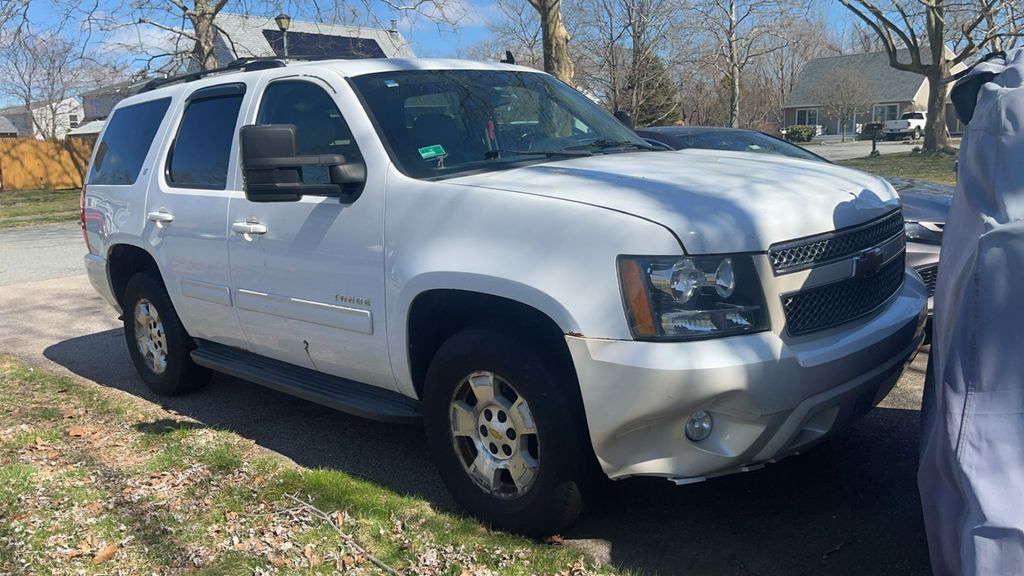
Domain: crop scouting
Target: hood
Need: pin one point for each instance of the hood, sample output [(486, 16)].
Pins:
[(714, 201), (923, 201)]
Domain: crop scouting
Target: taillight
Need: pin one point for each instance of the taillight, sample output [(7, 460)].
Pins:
[(81, 219)]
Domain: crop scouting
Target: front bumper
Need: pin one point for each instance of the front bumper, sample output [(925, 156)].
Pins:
[(96, 268), (769, 396)]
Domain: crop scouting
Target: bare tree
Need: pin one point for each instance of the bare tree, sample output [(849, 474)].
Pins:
[(195, 21), (555, 39), (915, 36), (741, 32), (844, 93), (517, 29), (42, 72)]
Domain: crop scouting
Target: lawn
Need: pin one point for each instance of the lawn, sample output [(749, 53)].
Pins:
[(93, 481), (936, 168), (29, 207)]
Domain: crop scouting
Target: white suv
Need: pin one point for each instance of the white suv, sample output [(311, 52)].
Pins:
[(482, 249)]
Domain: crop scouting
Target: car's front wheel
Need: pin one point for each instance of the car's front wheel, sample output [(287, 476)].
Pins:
[(506, 432)]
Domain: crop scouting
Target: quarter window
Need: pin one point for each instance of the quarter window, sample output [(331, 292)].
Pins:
[(126, 142), (201, 151), (319, 125)]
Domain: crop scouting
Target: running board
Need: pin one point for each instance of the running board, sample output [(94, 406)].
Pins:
[(345, 395)]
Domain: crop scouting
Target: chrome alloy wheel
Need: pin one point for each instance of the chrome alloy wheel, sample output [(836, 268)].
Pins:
[(494, 434), (150, 337)]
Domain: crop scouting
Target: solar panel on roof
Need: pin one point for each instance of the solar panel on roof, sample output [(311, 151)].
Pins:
[(323, 45)]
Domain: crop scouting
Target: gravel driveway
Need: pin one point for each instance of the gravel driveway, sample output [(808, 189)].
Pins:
[(849, 506)]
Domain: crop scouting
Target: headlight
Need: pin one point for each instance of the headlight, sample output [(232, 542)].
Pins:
[(673, 298), (926, 232)]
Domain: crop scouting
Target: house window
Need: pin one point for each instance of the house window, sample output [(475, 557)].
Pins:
[(885, 112), (73, 120), (807, 117)]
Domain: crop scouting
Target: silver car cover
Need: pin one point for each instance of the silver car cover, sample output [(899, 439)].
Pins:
[(971, 474)]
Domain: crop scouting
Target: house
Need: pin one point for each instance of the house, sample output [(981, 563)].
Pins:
[(97, 104), (7, 130), (239, 36), (893, 91), (44, 119)]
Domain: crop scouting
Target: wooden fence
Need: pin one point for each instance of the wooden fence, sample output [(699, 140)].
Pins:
[(27, 164)]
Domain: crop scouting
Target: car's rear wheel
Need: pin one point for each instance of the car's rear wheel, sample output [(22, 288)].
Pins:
[(157, 342), (506, 433)]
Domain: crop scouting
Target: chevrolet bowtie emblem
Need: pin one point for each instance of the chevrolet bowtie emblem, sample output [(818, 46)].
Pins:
[(868, 263)]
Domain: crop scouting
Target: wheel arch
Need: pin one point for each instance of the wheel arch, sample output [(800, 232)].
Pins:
[(126, 260), (437, 314)]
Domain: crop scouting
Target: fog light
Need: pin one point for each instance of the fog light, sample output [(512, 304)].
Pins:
[(698, 427)]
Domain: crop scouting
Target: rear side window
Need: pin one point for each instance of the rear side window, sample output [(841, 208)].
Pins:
[(126, 142), (201, 151)]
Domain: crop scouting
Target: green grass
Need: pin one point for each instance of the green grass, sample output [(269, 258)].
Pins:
[(32, 207), (178, 496), (933, 167)]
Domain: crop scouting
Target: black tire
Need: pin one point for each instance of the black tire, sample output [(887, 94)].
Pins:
[(917, 133), (180, 375), (555, 497)]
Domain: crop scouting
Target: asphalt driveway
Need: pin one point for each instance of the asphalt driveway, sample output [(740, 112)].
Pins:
[(835, 150), (849, 506)]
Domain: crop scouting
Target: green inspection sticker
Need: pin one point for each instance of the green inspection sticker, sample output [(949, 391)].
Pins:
[(432, 152)]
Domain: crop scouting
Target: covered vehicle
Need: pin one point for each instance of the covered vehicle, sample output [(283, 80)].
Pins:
[(925, 204), (972, 464)]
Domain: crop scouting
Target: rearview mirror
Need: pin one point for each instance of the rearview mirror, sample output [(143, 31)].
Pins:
[(625, 117), (272, 168)]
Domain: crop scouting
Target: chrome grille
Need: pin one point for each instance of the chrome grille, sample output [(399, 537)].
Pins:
[(832, 304), (929, 274), (799, 254)]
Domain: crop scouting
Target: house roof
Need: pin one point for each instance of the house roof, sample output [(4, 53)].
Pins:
[(887, 83), (127, 87), (254, 36), (20, 108), (6, 127), (91, 127)]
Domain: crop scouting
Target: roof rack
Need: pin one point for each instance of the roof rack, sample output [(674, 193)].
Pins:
[(249, 64)]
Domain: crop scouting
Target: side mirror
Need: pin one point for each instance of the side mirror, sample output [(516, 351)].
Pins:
[(625, 117), (272, 168)]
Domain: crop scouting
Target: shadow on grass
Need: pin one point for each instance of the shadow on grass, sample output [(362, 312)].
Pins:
[(849, 506)]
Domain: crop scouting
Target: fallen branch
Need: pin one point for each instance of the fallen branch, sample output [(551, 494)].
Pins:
[(349, 540)]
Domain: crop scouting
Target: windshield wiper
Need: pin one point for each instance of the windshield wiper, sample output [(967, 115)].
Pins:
[(607, 143), (565, 152)]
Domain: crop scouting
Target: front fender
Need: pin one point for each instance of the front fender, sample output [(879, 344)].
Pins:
[(554, 255)]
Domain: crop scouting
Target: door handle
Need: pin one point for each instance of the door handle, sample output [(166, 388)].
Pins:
[(160, 216), (248, 228)]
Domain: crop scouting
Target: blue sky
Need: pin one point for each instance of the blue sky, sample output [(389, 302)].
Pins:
[(427, 39)]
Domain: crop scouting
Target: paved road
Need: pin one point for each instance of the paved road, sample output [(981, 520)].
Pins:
[(849, 506), (846, 150), (41, 252)]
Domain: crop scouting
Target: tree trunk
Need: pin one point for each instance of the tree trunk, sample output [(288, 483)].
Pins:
[(202, 24), (555, 39), (734, 69), (734, 95), (935, 136)]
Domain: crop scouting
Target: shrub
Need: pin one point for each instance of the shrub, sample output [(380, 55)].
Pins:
[(799, 133)]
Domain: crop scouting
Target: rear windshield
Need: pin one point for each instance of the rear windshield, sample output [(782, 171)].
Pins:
[(126, 142), (439, 123), (913, 116), (744, 141)]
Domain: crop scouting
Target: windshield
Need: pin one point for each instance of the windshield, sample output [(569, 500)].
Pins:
[(913, 116), (741, 141), (439, 123)]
